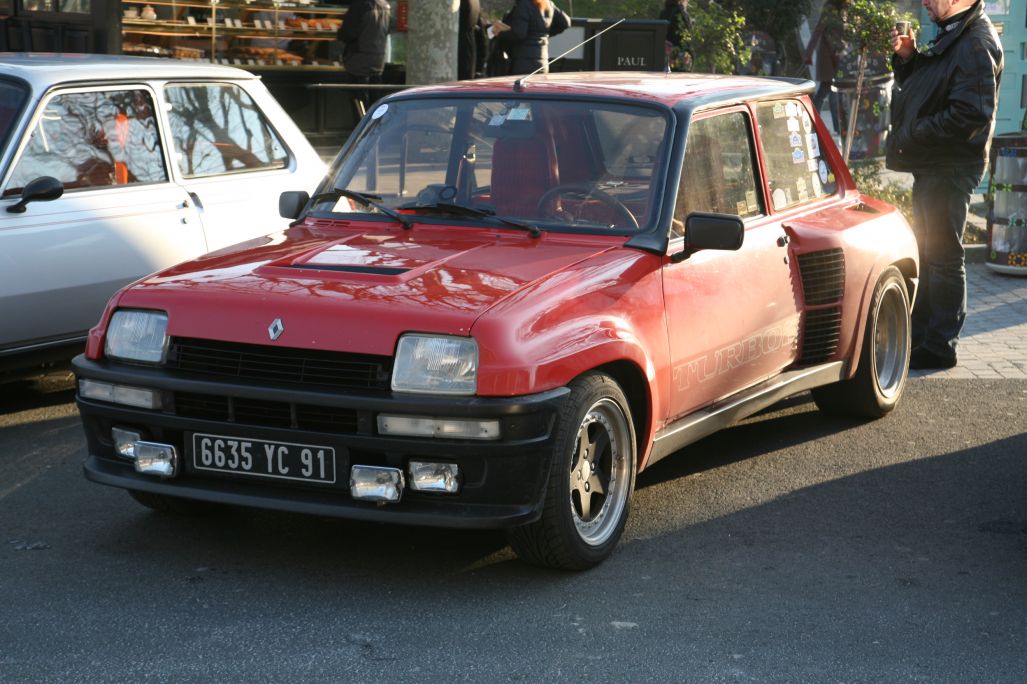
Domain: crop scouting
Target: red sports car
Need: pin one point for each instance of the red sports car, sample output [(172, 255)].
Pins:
[(506, 299)]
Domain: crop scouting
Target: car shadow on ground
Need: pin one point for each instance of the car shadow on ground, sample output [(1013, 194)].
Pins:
[(52, 389)]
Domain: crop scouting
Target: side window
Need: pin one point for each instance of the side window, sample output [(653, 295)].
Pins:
[(718, 173), (218, 128), (796, 170), (93, 140)]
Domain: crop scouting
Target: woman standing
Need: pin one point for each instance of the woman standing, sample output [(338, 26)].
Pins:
[(531, 23)]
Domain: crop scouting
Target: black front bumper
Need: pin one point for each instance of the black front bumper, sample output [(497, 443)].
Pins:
[(503, 481)]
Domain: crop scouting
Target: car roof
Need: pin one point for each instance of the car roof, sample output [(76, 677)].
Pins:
[(42, 70), (695, 90)]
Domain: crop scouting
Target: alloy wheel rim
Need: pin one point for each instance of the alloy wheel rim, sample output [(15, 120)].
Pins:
[(891, 347), (599, 472)]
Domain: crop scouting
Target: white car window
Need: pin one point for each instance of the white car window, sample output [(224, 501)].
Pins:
[(93, 139), (218, 128)]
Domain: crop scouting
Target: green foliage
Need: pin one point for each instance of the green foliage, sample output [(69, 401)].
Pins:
[(867, 25), (779, 19), (717, 38), (867, 176)]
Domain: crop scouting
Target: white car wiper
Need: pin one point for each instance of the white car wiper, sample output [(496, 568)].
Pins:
[(476, 212)]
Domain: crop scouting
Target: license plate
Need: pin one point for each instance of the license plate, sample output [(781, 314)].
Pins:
[(280, 460)]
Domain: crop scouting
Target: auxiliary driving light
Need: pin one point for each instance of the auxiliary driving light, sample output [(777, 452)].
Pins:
[(441, 428), (153, 458), (441, 478), (374, 483), (125, 442)]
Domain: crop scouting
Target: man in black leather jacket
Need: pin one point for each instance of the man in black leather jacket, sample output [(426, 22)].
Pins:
[(943, 115)]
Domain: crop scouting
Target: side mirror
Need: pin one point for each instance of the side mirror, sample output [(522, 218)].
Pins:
[(711, 231), (291, 203), (42, 189)]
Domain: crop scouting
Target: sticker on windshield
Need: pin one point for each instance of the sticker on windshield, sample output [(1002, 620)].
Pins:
[(379, 112), (823, 172), (518, 114), (813, 143), (497, 120)]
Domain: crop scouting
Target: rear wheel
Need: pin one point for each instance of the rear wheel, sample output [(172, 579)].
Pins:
[(876, 387), (589, 488), (174, 505)]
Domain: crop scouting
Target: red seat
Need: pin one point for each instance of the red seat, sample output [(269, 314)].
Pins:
[(523, 169)]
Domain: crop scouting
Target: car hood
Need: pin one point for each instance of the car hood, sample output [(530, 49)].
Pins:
[(351, 289)]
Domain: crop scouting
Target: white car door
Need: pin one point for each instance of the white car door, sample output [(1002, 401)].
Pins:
[(231, 155), (120, 217)]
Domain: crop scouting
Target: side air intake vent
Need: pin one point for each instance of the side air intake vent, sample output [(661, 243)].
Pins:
[(820, 335), (823, 276)]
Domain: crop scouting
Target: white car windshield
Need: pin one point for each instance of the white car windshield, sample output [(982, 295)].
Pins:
[(12, 97), (566, 163)]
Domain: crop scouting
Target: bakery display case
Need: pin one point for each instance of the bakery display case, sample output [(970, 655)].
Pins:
[(259, 34)]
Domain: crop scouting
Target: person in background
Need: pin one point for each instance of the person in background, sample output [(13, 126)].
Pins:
[(942, 119), (826, 44), (531, 24), (364, 32), (472, 46), (679, 51)]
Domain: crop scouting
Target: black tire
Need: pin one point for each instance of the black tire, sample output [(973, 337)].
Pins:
[(569, 535), (174, 505), (877, 386)]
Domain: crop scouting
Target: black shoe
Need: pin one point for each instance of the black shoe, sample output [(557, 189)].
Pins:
[(922, 358)]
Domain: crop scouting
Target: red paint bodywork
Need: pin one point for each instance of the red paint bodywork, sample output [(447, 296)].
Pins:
[(542, 310)]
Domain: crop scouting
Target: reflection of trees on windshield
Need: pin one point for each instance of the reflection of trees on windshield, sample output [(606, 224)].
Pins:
[(12, 97), (218, 128), (93, 139)]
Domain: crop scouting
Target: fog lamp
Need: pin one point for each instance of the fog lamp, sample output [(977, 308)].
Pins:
[(443, 478), (125, 442), (374, 483), (156, 459)]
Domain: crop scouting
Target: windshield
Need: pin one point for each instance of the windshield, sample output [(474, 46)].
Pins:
[(558, 163), (12, 98)]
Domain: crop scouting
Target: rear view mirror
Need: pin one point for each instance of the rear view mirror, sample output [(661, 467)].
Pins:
[(711, 231), (42, 189), (291, 203)]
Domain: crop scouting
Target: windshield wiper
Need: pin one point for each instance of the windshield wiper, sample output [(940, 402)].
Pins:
[(475, 212), (366, 199)]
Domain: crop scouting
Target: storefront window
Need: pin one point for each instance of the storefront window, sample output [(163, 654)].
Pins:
[(76, 6), (70, 6)]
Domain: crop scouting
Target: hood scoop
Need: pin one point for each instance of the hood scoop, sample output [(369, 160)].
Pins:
[(350, 268)]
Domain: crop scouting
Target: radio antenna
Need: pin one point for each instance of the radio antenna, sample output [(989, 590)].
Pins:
[(519, 83)]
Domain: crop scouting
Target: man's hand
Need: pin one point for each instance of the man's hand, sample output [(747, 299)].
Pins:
[(903, 46)]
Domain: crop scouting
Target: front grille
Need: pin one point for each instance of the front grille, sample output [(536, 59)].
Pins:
[(260, 363), (823, 276), (262, 413), (820, 335)]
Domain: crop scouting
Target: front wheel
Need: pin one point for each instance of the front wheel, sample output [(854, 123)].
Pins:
[(590, 482), (876, 387)]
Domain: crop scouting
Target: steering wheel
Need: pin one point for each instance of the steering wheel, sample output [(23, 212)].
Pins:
[(584, 192)]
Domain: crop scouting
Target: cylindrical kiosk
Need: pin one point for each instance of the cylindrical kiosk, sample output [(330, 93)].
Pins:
[(1007, 214)]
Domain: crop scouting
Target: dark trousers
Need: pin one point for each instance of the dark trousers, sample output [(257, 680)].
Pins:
[(940, 204)]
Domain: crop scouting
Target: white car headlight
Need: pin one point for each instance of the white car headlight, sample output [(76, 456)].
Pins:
[(433, 364), (139, 336)]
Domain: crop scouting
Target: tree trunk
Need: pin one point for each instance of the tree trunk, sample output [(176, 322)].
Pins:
[(431, 41), (854, 105)]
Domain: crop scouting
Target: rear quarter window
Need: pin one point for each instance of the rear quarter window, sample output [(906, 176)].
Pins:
[(218, 129), (797, 170)]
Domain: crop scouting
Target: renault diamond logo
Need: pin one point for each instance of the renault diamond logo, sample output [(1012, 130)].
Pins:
[(276, 329)]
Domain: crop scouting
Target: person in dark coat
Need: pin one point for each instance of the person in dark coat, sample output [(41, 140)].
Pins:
[(942, 118), (471, 42), (531, 23), (364, 32), (826, 44), (679, 23)]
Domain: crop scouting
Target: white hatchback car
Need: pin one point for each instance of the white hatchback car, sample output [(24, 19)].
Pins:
[(114, 167)]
